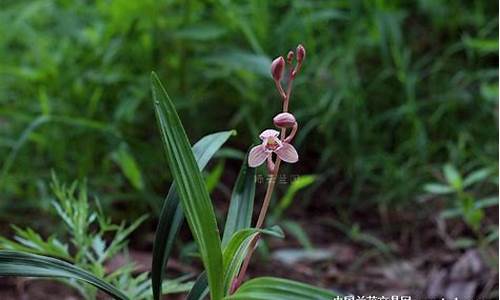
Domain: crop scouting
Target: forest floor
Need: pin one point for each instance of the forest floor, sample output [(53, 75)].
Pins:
[(412, 257)]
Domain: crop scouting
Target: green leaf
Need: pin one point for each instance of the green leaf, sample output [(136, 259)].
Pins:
[(31, 265), (129, 166), (237, 248), (482, 45), (439, 189), (203, 32), (271, 288), (199, 290), (298, 184), (194, 197), (296, 230), (172, 216), (27, 240), (239, 217), (476, 176), (479, 204), (240, 211), (213, 178), (453, 176)]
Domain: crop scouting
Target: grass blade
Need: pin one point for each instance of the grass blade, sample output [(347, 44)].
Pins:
[(193, 194), (172, 216), (31, 265)]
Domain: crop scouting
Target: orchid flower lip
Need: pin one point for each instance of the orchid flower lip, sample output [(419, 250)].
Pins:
[(271, 144)]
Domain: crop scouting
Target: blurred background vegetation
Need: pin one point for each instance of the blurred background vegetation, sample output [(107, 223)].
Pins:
[(394, 95)]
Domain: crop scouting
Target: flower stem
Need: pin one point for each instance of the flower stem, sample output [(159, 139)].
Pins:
[(270, 185), (260, 222)]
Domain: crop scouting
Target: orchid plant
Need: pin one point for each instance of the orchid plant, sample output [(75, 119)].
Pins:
[(225, 260), (274, 141)]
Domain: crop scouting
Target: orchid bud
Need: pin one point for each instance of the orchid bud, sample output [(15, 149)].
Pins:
[(289, 57), (277, 68), (301, 53), (284, 120)]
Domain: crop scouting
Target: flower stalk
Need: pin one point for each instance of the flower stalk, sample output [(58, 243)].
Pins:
[(272, 145)]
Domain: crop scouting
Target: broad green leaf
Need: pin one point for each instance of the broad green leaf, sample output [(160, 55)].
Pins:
[(239, 215), (237, 248), (191, 188), (271, 288), (31, 265), (172, 216)]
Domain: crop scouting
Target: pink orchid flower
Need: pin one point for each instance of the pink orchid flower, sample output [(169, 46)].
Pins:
[(271, 143)]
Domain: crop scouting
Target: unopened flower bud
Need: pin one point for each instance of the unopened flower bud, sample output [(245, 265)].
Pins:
[(301, 53), (289, 57), (277, 68), (284, 120)]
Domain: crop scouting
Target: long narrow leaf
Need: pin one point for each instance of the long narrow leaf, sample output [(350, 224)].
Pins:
[(31, 265), (239, 217), (172, 216), (191, 188), (200, 288), (237, 248), (271, 288), (241, 207)]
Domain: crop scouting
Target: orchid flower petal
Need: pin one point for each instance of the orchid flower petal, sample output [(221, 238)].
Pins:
[(287, 153), (268, 133), (257, 156)]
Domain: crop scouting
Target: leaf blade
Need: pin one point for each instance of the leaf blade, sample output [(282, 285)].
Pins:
[(194, 197), (172, 216), (235, 251), (31, 265), (199, 290), (272, 288), (241, 207), (239, 217)]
